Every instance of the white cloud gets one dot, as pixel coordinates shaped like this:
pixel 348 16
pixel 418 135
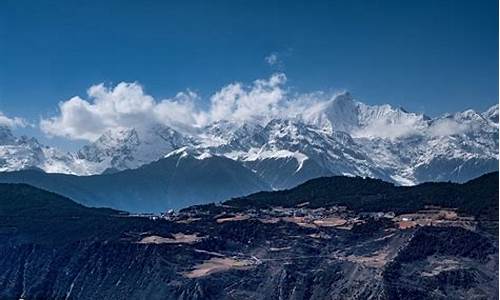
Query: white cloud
pixel 409 126
pixel 180 112
pixel 272 59
pixel 391 130
pixel 127 105
pixel 445 127
pixel 12 122
pixel 123 106
pixel 259 102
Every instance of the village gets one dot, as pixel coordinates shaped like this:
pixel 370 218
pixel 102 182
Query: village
pixel 321 219
pixel 338 217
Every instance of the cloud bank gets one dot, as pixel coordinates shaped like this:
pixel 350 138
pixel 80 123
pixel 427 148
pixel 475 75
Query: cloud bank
pixel 127 105
pixel 445 127
pixel 14 122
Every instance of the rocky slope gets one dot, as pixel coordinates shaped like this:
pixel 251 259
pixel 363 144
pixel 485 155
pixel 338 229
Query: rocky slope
pixel 283 248
pixel 123 148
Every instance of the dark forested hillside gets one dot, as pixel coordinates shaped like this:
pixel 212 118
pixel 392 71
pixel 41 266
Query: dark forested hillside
pixel 477 197
pixel 169 183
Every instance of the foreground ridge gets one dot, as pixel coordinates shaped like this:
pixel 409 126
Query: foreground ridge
pixel 329 238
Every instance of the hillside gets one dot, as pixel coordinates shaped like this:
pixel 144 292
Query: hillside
pixel 264 246
pixel 477 197
pixel 170 183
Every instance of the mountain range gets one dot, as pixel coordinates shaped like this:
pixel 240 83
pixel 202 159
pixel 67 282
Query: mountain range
pixel 227 158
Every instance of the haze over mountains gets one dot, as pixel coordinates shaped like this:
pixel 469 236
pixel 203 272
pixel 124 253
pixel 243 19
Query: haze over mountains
pixel 227 158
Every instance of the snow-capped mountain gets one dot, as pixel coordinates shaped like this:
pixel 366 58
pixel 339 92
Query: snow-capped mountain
pixel 27 153
pixel 130 148
pixel 492 114
pixel 343 136
pixel 338 136
pixel 287 152
pixel 343 113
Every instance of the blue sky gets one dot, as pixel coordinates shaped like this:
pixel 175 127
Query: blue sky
pixel 427 56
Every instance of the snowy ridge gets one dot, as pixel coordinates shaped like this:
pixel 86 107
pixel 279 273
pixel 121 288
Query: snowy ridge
pixel 338 136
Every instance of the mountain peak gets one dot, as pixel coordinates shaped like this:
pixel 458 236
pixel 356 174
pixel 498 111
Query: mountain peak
pixel 492 114
pixel 469 115
pixel 344 96
pixel 338 114
pixel 343 102
pixel 118 136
